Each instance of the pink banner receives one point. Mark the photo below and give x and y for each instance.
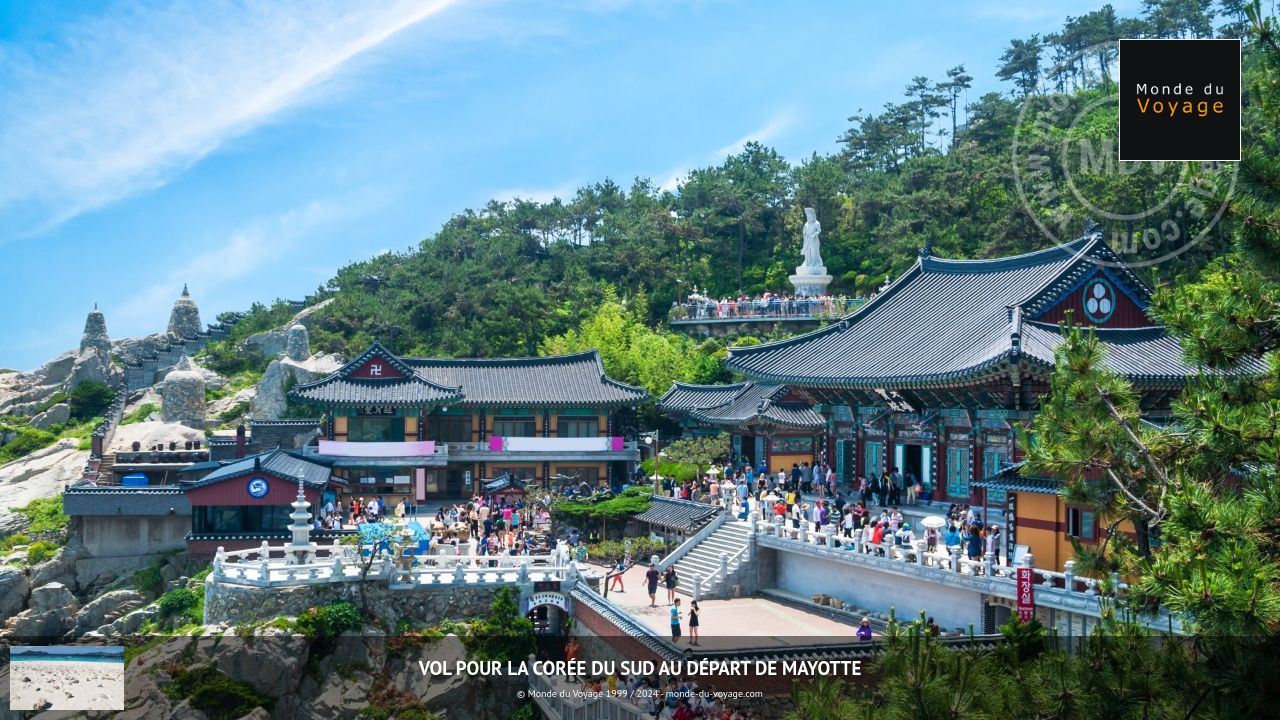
(562, 445)
(377, 449)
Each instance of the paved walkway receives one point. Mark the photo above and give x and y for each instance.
(734, 623)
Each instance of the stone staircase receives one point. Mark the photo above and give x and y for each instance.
(704, 559)
(108, 462)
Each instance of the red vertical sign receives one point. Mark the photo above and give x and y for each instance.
(1026, 595)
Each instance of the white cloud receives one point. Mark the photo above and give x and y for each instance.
(128, 100)
(246, 251)
(771, 129)
(564, 191)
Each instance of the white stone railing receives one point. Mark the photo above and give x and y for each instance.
(285, 565)
(945, 562)
(563, 701)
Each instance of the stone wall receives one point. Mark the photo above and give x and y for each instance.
(239, 604)
(107, 537)
(805, 575)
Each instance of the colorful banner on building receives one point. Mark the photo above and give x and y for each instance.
(537, 444)
(377, 449)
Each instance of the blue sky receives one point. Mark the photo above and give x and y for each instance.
(252, 149)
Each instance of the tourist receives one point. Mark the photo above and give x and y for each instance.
(895, 519)
(952, 538)
(932, 627)
(864, 630)
(895, 486)
(905, 537)
(931, 539)
(693, 623)
(831, 480)
(675, 621)
(864, 489)
(974, 550)
(912, 487)
(846, 524)
(993, 542)
(652, 577)
(669, 579)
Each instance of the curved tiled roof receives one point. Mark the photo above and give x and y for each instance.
(755, 405)
(683, 397)
(673, 513)
(404, 391)
(954, 321)
(1142, 354)
(280, 463)
(341, 388)
(555, 380)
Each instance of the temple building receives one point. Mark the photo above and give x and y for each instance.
(240, 504)
(941, 373)
(418, 428)
(766, 423)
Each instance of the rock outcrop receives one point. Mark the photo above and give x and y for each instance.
(271, 400)
(107, 608)
(38, 475)
(59, 414)
(14, 588)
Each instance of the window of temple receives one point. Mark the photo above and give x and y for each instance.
(449, 428)
(515, 426)
(576, 427)
(1079, 523)
(375, 429)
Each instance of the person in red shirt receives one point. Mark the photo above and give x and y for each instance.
(780, 508)
(877, 535)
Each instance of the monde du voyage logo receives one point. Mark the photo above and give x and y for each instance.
(1180, 100)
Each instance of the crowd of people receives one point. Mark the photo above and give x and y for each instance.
(766, 305)
(748, 492)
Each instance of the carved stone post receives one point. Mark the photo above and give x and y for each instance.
(955, 559)
(1069, 576)
(921, 546)
(987, 560)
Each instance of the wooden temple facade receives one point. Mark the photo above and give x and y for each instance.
(941, 373)
(767, 423)
(419, 428)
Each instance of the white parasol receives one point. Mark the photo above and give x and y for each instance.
(934, 521)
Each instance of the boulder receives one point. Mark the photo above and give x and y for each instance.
(107, 608)
(53, 596)
(270, 343)
(273, 665)
(226, 404)
(129, 624)
(93, 363)
(152, 433)
(57, 415)
(14, 587)
(270, 401)
(41, 474)
(45, 625)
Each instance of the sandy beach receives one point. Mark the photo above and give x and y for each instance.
(66, 685)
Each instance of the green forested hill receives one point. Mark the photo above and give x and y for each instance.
(929, 170)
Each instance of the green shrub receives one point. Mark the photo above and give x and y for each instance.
(215, 694)
(148, 579)
(14, 540)
(44, 514)
(177, 601)
(26, 441)
(140, 413)
(90, 398)
(41, 551)
(641, 548)
(328, 621)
